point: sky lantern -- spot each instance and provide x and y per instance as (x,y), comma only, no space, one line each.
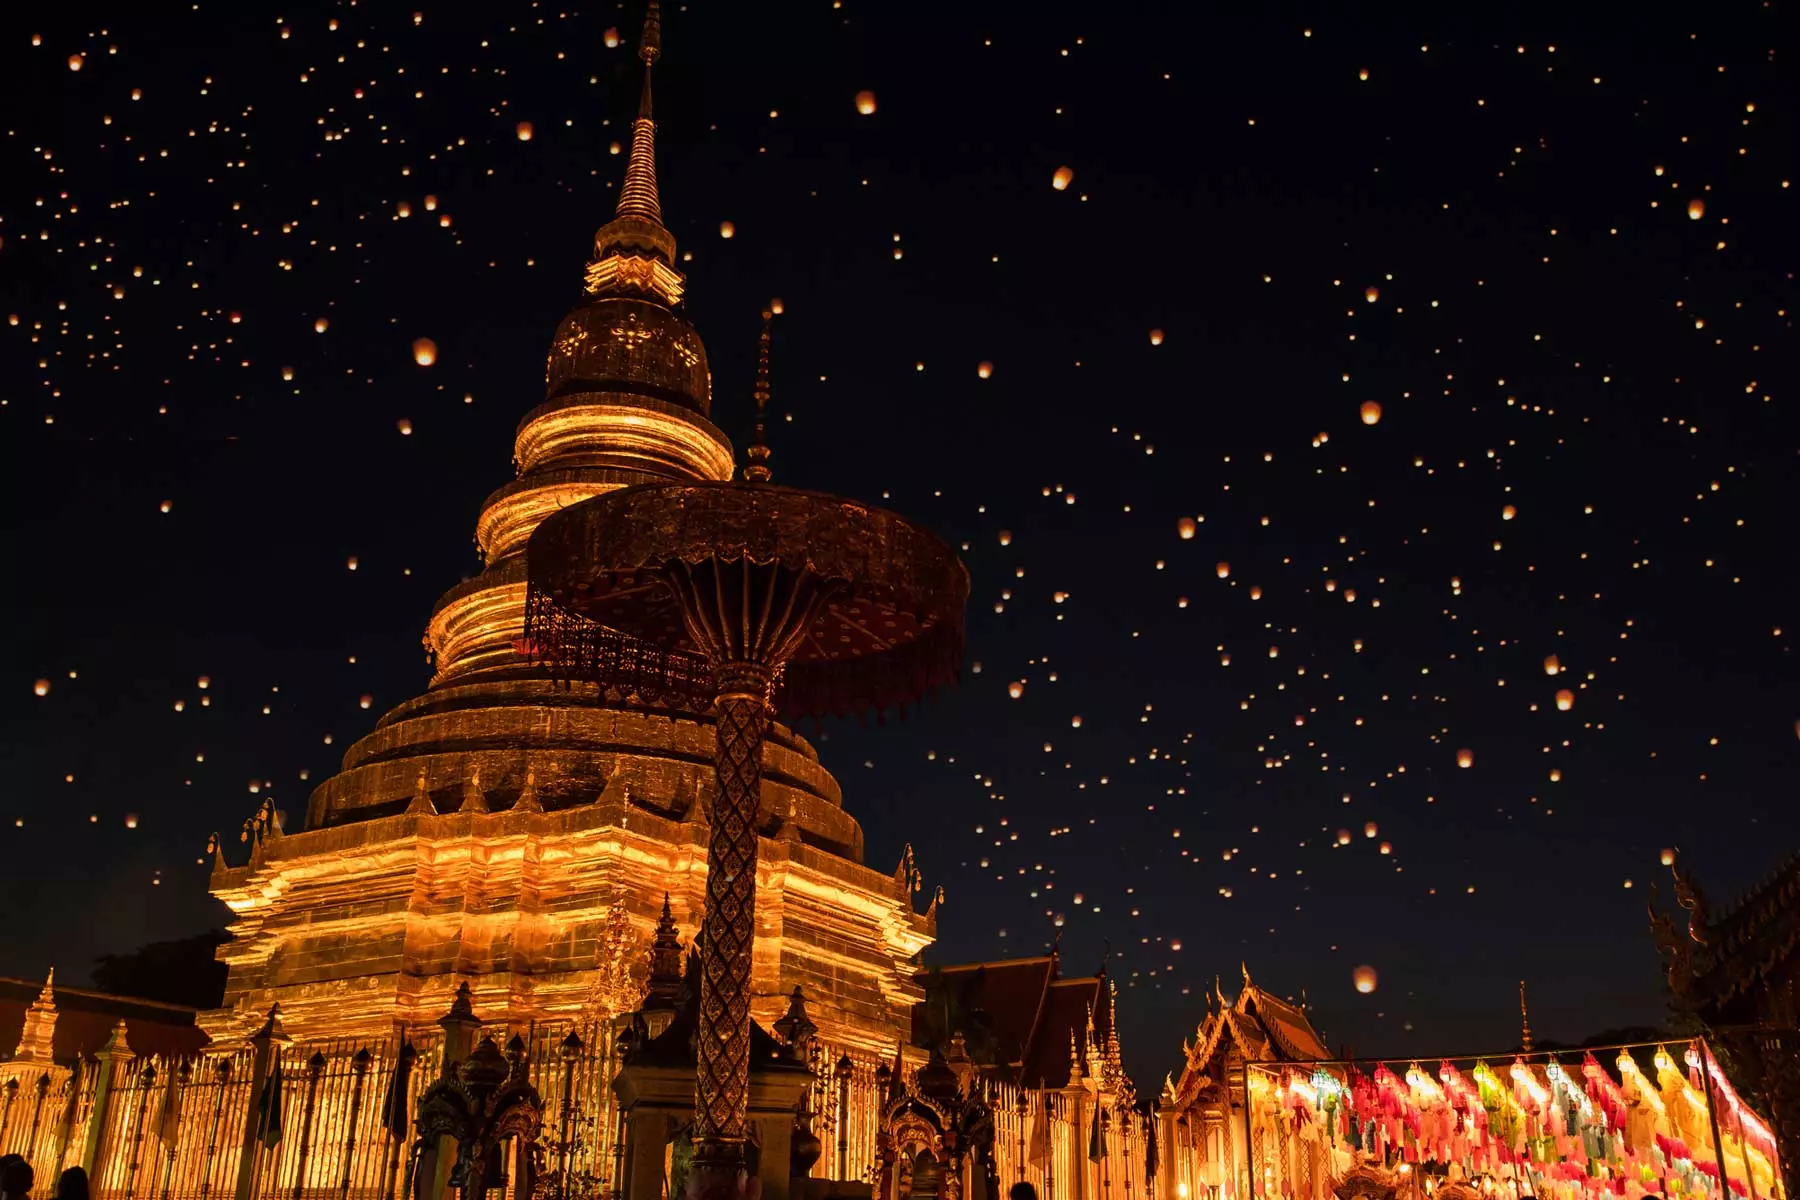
(1371,412)
(1075,721)
(1156,336)
(41,687)
(404,426)
(1565,700)
(865,103)
(364,700)
(1696,208)
(1006,537)
(611,37)
(1062,179)
(75,62)
(727,229)
(321,325)
(1668,857)
(1185,528)
(1364,979)
(1371,294)
(523,129)
(1508,513)
(1465,758)
(1015,689)
(984,369)
(1223,570)
(1371,829)
(424,351)
(1552,664)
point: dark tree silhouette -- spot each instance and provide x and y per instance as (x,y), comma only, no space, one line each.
(182,971)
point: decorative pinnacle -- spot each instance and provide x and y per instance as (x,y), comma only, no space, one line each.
(757,469)
(638,198)
(1524,1021)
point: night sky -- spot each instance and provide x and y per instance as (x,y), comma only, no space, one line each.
(1555,245)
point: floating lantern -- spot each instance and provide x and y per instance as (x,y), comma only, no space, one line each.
(1370,830)
(404,426)
(1371,412)
(1015,689)
(1223,570)
(727,229)
(984,369)
(365,700)
(41,687)
(865,103)
(1508,513)
(611,38)
(1156,336)
(1185,528)
(75,62)
(523,129)
(1060,181)
(1565,700)
(1075,721)
(1371,294)
(321,325)
(1668,858)
(1696,208)
(1552,664)
(1387,847)
(1465,758)
(424,351)
(1006,537)
(1364,979)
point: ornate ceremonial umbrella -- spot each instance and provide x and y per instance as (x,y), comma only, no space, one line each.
(748,599)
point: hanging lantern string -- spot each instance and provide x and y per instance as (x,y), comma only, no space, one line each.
(757,469)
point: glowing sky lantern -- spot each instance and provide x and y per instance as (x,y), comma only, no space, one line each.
(1006,537)
(1370,829)
(1371,294)
(424,351)
(1075,721)
(727,229)
(1668,857)
(1015,689)
(984,369)
(611,37)
(75,61)
(1062,179)
(1371,412)
(1364,979)
(1696,208)
(1552,664)
(404,426)
(1185,528)
(131,820)
(321,325)
(1465,758)
(1223,570)
(1565,700)
(364,700)
(1156,336)
(41,687)
(523,129)
(1508,513)
(865,103)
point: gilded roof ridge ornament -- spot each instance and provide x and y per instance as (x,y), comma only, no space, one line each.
(756,469)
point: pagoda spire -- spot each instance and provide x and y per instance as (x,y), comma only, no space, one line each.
(634,253)
(756,470)
(639,197)
(37,1038)
(1524,1021)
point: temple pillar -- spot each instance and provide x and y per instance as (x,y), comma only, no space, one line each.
(115,1052)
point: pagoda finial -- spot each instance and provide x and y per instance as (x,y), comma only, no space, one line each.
(638,198)
(1524,1021)
(756,470)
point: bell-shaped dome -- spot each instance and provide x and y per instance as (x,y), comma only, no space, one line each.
(624,344)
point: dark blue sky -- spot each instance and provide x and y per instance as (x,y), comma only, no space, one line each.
(1548,330)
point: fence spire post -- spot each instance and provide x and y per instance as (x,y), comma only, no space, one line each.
(110,1056)
(265,1043)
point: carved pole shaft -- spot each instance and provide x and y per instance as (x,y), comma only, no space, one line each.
(568,1115)
(145,1081)
(722,1084)
(221,1079)
(356,1098)
(170,1133)
(843,1123)
(316,1069)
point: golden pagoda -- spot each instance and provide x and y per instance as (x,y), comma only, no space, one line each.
(518,834)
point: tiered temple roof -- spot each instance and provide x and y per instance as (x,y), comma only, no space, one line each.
(1257,1026)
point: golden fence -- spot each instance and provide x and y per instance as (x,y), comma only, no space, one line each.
(1058,1160)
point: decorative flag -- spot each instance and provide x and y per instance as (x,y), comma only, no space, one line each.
(268,1109)
(1150,1159)
(396,1116)
(1040,1130)
(168,1119)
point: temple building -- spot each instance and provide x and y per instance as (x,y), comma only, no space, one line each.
(1201,1114)
(1736,974)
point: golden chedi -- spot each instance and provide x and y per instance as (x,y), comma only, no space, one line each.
(485,830)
